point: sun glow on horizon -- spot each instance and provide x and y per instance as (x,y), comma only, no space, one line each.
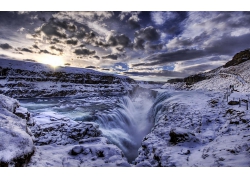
(52,60)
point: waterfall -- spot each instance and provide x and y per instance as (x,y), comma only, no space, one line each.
(127,124)
(153,113)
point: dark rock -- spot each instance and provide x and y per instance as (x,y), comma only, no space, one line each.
(233,103)
(238,58)
(175,80)
(77,150)
(180,135)
(100,153)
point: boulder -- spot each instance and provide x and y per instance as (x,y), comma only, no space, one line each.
(233,103)
(180,135)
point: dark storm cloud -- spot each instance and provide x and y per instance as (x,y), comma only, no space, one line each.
(55,41)
(110,56)
(158,73)
(26,50)
(115,40)
(52,28)
(5,46)
(72,41)
(44,51)
(153,47)
(179,42)
(84,52)
(57,49)
(91,67)
(139,43)
(227,45)
(96,57)
(42,19)
(133,23)
(35,46)
(148,33)
(65,25)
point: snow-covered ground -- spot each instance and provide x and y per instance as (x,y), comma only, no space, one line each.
(197,128)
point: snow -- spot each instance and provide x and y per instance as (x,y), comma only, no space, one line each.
(97,153)
(15,143)
(61,141)
(217,129)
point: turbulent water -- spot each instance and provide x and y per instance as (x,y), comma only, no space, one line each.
(123,120)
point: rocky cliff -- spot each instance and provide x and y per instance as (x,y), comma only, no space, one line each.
(21,79)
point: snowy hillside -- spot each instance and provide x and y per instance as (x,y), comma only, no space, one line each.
(239,76)
(21,79)
(235,72)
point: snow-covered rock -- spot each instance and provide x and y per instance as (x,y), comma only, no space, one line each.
(196,128)
(20,79)
(91,152)
(61,141)
(16,145)
(52,128)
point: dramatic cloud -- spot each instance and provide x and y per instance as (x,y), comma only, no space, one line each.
(142,44)
(133,22)
(148,33)
(110,56)
(52,29)
(46,52)
(35,46)
(57,49)
(228,45)
(65,25)
(72,41)
(80,17)
(84,52)
(5,46)
(26,50)
(115,40)
(139,43)
(153,47)
(96,57)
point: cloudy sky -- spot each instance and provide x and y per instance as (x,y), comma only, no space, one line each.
(143,45)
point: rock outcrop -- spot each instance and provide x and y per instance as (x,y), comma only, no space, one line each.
(16,144)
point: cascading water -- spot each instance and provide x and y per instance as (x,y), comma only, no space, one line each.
(127,124)
(158,105)
(123,120)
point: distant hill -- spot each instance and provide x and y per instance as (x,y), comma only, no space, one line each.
(235,72)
